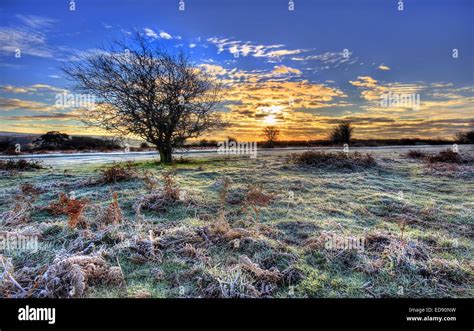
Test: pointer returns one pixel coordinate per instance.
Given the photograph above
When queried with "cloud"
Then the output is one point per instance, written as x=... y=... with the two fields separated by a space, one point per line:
x=247 y=48
x=150 y=33
x=213 y=70
x=384 y=68
x=333 y=59
x=284 y=70
x=162 y=34
x=36 y=22
x=364 y=81
x=13 y=104
x=29 y=37
x=32 y=89
x=165 y=35
x=45 y=117
x=28 y=42
x=374 y=92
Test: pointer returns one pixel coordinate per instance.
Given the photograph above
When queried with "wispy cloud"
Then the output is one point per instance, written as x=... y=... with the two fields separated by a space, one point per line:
x=329 y=58
x=28 y=37
x=36 y=22
x=27 y=42
x=32 y=89
x=150 y=33
x=160 y=34
x=18 y=104
x=248 y=48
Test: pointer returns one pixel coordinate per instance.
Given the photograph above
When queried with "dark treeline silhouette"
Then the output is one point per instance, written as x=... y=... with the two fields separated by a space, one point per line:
x=57 y=141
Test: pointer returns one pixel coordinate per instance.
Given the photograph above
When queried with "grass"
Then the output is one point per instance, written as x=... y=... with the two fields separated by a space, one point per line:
x=238 y=227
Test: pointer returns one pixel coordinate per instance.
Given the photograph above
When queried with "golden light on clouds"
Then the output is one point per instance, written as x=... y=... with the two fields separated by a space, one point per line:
x=300 y=109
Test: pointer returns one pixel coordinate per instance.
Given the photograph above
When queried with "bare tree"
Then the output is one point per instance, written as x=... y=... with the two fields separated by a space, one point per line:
x=342 y=133
x=271 y=134
x=147 y=92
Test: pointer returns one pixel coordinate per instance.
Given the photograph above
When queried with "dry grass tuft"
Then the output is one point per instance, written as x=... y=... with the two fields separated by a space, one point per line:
x=29 y=189
x=117 y=173
x=69 y=277
x=255 y=198
x=221 y=230
x=113 y=213
x=160 y=199
x=73 y=208
x=273 y=275
x=20 y=213
x=145 y=250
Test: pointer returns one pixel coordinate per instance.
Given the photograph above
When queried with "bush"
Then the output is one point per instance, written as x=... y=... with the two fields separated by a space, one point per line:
x=7 y=145
x=446 y=156
x=117 y=173
x=465 y=137
x=416 y=154
x=333 y=160
x=20 y=164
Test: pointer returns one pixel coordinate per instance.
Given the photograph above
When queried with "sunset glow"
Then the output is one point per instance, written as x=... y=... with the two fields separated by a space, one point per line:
x=302 y=81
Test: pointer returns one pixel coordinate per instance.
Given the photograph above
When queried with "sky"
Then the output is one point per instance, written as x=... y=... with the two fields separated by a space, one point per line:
x=393 y=73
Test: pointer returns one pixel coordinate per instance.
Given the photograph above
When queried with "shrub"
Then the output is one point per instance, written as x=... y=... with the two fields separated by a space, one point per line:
x=465 y=137
x=7 y=145
x=416 y=154
x=20 y=164
x=446 y=156
x=117 y=173
x=333 y=160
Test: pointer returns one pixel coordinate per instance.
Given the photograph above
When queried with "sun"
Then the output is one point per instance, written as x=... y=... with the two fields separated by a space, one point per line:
x=270 y=119
x=272 y=111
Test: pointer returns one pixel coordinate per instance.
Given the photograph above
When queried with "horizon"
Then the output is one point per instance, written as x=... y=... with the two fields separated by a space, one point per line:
x=302 y=70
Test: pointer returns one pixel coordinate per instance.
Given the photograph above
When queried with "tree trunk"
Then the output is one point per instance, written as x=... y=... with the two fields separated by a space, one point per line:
x=165 y=154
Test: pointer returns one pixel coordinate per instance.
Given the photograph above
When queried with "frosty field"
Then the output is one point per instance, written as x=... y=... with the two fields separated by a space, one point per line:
x=232 y=226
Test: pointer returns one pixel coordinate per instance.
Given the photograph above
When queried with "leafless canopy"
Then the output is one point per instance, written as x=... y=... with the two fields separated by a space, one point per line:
x=144 y=91
x=271 y=134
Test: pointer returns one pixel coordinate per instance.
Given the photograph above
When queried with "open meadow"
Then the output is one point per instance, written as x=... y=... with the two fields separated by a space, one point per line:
x=285 y=224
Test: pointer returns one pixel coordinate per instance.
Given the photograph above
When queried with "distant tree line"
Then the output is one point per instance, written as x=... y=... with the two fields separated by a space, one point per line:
x=57 y=141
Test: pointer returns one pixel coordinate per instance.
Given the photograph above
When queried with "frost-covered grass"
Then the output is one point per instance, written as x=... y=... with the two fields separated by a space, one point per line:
x=211 y=238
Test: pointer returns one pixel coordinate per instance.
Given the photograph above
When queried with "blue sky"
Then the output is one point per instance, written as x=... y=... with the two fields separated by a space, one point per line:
x=291 y=70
